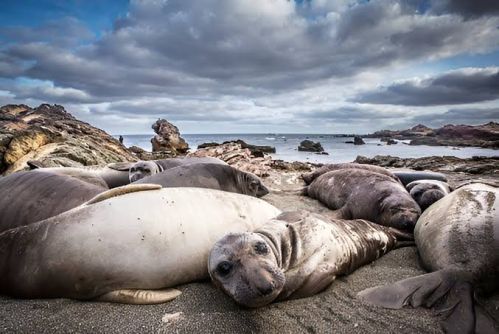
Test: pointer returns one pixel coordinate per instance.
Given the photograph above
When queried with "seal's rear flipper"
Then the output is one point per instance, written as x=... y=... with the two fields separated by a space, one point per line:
x=131 y=188
x=451 y=296
x=139 y=297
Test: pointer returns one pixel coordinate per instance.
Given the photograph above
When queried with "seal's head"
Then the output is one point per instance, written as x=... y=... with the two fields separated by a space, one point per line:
x=245 y=266
x=142 y=169
x=425 y=194
x=401 y=212
x=252 y=185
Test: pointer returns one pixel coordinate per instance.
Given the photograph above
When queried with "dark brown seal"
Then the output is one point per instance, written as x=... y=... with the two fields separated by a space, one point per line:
x=427 y=192
x=363 y=194
x=28 y=197
x=296 y=255
x=458 y=242
x=309 y=177
x=208 y=175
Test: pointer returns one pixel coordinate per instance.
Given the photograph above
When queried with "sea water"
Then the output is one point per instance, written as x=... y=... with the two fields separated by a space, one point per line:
x=286 y=146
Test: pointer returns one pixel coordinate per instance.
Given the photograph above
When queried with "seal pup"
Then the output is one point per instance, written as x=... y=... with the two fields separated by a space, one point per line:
x=296 y=255
x=126 y=242
x=208 y=175
x=28 y=197
x=427 y=192
x=114 y=174
x=309 y=177
x=407 y=176
x=142 y=169
x=363 y=194
x=458 y=242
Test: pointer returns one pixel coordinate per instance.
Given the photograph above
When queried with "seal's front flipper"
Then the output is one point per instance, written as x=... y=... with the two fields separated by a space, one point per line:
x=451 y=296
x=139 y=297
x=131 y=188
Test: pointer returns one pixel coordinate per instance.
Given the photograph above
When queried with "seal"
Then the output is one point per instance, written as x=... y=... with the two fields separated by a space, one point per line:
x=309 y=177
x=407 y=176
x=208 y=175
x=363 y=194
x=125 y=243
x=458 y=243
x=427 y=192
x=114 y=174
x=143 y=169
x=28 y=197
x=296 y=255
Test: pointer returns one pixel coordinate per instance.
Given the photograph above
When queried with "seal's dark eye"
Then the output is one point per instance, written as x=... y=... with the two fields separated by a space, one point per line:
x=224 y=268
x=261 y=248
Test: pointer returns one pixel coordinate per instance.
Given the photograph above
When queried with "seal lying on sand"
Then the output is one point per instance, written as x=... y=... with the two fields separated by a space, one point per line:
x=133 y=237
x=427 y=192
x=458 y=241
x=207 y=175
x=363 y=194
x=114 y=174
x=28 y=197
x=296 y=255
x=142 y=169
x=309 y=177
x=407 y=176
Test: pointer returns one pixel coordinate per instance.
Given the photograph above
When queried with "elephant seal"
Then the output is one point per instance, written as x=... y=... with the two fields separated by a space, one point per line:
x=458 y=242
x=427 y=192
x=142 y=169
x=309 y=177
x=296 y=255
x=28 y=197
x=124 y=243
x=208 y=175
x=113 y=175
x=363 y=194
x=407 y=176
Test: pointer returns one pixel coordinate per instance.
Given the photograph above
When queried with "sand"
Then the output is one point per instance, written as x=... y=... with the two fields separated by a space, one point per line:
x=203 y=308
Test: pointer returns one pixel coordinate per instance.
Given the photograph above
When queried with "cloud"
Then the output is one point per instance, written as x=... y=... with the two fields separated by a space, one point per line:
x=460 y=116
x=461 y=86
x=467 y=8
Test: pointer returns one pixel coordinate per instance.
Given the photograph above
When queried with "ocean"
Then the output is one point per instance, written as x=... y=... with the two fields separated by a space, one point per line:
x=286 y=146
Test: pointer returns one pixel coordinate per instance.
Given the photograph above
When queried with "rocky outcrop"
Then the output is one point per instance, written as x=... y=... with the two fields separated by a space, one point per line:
x=358 y=140
x=310 y=146
x=237 y=156
x=486 y=135
x=142 y=154
x=168 y=138
x=446 y=164
x=52 y=137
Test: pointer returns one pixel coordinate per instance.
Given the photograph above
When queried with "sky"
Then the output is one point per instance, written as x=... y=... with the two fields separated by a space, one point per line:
x=254 y=66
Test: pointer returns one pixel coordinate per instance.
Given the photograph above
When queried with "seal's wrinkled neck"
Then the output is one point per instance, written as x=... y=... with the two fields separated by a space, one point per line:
x=284 y=242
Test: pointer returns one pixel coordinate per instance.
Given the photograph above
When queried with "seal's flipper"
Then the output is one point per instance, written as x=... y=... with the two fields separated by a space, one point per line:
x=451 y=297
x=131 y=188
x=139 y=297
x=121 y=166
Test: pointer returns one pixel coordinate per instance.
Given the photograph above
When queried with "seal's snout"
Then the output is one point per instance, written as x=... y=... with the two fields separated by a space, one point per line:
x=266 y=289
x=262 y=190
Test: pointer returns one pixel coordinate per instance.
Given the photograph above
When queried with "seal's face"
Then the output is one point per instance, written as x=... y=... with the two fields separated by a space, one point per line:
x=400 y=213
x=426 y=194
x=141 y=170
x=255 y=185
x=245 y=267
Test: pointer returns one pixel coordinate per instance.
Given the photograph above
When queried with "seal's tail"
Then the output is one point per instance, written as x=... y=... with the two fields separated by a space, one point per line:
x=444 y=291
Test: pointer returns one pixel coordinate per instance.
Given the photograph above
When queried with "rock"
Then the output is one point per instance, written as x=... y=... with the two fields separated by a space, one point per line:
x=291 y=166
x=205 y=145
x=137 y=150
x=358 y=140
x=255 y=149
x=237 y=156
x=349 y=142
x=168 y=138
x=310 y=146
x=391 y=142
x=51 y=137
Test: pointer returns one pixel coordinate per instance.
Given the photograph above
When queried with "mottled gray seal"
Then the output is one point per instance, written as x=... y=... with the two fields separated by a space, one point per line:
x=427 y=192
x=458 y=242
x=296 y=255
x=363 y=194
x=208 y=175
x=28 y=197
x=124 y=241
x=309 y=177
x=142 y=169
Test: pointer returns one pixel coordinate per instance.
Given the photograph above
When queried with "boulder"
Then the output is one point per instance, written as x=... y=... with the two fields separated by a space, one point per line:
x=358 y=140
x=310 y=146
x=51 y=137
x=256 y=150
x=168 y=138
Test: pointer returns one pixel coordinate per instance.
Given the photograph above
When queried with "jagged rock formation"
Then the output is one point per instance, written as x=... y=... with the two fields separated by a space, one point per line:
x=53 y=137
x=168 y=138
x=310 y=146
x=358 y=140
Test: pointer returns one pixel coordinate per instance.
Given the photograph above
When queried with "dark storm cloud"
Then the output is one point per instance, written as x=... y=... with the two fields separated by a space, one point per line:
x=456 y=87
x=467 y=8
x=460 y=116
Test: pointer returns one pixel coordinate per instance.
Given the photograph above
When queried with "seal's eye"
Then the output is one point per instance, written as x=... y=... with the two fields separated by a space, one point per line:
x=261 y=248
x=224 y=268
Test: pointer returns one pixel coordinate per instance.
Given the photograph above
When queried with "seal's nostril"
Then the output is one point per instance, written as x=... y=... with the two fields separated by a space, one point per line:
x=266 y=290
